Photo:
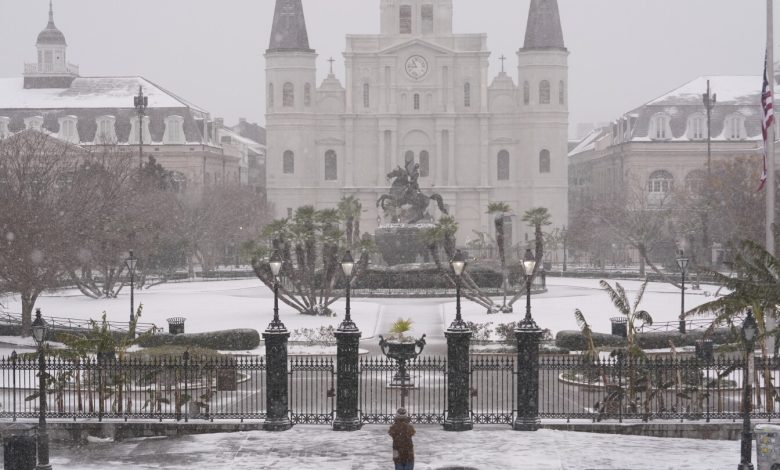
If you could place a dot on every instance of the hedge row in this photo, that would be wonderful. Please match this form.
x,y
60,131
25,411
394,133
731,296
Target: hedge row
x,y
427,276
575,340
226,340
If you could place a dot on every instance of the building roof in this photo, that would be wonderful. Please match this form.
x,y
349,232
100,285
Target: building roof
x,y
544,26
289,29
88,92
51,35
735,95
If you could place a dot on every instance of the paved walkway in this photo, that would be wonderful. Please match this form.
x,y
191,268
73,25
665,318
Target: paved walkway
x,y
319,448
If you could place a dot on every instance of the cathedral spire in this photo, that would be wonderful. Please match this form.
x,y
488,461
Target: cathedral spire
x,y
51,13
544,26
289,29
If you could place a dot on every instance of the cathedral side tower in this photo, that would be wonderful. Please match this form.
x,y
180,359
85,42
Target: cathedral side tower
x,y
290,106
543,97
416,17
52,69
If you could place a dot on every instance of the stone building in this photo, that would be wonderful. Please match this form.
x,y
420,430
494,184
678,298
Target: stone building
x,y
417,91
93,111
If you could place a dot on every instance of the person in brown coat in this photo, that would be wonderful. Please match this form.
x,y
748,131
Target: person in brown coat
x,y
403,448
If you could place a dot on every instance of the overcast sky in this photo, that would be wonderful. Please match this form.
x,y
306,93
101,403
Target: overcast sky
x,y
623,52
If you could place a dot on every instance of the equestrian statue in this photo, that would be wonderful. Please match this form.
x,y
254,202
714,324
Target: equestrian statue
x,y
405,196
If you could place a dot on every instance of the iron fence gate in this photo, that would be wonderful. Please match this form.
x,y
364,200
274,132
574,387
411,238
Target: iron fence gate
x,y
492,388
425,390
312,391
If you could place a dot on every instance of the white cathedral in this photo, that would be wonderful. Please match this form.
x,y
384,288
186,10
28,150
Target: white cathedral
x,y
420,92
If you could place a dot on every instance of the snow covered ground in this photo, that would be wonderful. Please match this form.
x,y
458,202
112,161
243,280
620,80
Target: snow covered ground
x,y
220,305
555,308
319,448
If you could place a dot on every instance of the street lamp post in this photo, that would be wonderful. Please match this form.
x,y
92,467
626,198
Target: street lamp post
x,y
529,263
749,331
39,332
458,337
141,102
130,262
276,372
276,267
347,361
682,263
529,336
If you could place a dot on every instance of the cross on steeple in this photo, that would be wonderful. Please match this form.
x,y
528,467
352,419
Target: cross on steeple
x,y
331,65
502,59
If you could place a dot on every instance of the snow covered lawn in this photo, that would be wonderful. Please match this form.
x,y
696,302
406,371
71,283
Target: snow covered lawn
x,y
319,448
207,306
555,308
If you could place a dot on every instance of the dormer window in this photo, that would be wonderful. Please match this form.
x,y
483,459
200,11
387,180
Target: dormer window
x,y
405,19
660,127
697,127
735,127
34,122
4,132
68,130
133,139
106,132
174,130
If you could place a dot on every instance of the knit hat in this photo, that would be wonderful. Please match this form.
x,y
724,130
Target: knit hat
x,y
401,415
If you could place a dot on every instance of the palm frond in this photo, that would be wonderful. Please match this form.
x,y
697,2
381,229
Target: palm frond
x,y
617,300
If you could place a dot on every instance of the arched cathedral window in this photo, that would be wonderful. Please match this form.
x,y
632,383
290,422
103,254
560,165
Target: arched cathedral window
x,y
288,162
270,95
416,101
288,95
544,161
467,95
562,92
502,166
405,19
425,164
331,166
426,12
307,95
526,93
544,92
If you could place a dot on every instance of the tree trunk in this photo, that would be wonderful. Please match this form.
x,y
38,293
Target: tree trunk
x,y
642,255
28,303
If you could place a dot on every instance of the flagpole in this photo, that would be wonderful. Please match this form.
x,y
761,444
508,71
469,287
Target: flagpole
x,y
770,141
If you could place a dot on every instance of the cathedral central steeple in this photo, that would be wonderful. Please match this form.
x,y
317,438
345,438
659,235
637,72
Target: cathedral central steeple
x,y
289,29
544,26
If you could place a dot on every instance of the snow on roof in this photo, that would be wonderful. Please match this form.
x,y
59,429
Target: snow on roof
x,y
588,143
88,92
731,89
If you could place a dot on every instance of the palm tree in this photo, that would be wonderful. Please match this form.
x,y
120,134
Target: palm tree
x,y
443,235
537,218
349,209
499,210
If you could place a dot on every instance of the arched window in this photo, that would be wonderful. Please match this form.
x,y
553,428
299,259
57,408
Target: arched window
x,y
366,95
661,182
544,161
425,164
562,92
270,95
697,127
307,95
35,122
467,95
288,162
526,93
660,127
502,166
68,130
144,131
416,101
694,182
174,130
405,19
735,127
426,12
288,95
408,158
106,133
544,92
331,166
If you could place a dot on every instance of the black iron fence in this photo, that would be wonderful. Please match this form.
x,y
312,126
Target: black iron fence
x,y
571,387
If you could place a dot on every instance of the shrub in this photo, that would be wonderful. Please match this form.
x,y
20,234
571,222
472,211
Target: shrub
x,y
480,331
323,335
226,340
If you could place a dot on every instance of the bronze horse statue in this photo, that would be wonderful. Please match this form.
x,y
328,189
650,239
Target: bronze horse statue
x,y
405,193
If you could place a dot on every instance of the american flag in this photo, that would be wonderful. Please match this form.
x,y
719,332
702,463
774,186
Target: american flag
x,y
768,107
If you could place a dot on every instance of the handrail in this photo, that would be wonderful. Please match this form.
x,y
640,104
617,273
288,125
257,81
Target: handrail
x,y
76,323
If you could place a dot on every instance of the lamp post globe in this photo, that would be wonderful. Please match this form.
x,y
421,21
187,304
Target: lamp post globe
x,y
348,265
748,333
458,264
39,332
529,264
682,263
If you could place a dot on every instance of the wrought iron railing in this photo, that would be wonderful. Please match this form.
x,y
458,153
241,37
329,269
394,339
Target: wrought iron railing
x,y
62,323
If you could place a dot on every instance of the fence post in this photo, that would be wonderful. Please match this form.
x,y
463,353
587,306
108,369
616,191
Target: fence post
x,y
347,377
14,357
458,416
529,335
276,374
